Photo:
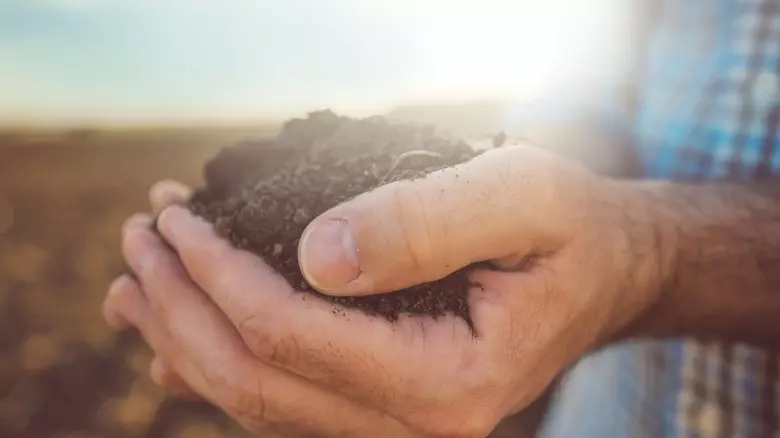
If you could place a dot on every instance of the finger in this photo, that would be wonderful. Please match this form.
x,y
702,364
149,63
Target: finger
x,y
128,302
348,350
111,313
498,205
163,375
178,304
137,220
252,391
168,192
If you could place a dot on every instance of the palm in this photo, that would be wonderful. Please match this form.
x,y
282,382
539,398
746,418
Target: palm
x,y
414,361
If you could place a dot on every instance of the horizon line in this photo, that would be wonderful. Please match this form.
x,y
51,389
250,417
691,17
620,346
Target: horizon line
x,y
138,123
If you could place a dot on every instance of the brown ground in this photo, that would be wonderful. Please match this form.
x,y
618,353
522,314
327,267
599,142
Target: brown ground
x,y
62,200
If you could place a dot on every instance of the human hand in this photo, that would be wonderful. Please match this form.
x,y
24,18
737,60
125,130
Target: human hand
x,y
574,271
218,368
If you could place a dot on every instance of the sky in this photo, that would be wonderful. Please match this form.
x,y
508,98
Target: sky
x,y
152,60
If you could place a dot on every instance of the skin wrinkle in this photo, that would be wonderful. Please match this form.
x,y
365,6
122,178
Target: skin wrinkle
x,y
386,395
287,351
367,363
445,236
400,201
383,407
574,314
336,383
256,339
428,238
247,406
479,298
616,257
605,209
384,235
541,315
473,217
422,331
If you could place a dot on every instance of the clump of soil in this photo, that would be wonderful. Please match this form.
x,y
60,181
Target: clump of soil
x,y
262,194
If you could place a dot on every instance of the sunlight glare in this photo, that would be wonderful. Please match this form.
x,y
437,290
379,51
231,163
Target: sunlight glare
x,y
506,49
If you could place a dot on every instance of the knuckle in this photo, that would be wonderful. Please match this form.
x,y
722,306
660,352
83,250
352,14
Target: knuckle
x,y
256,336
286,351
264,342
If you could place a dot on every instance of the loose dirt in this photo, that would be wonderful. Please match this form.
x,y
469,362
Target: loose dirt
x,y
261,195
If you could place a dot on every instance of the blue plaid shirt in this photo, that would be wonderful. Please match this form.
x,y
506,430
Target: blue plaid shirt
x,y
708,107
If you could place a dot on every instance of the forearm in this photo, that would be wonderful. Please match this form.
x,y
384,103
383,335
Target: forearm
x,y
717,259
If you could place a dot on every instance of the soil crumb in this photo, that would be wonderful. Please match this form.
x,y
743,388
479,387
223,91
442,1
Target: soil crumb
x,y
262,194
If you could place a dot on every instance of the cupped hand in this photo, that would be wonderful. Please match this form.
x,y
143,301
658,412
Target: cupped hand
x,y
573,265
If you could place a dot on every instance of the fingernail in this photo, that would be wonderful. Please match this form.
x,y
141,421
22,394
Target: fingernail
x,y
138,220
328,255
169,214
159,372
165,193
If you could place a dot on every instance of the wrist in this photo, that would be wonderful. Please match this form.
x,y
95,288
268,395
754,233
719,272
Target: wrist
x,y
647,238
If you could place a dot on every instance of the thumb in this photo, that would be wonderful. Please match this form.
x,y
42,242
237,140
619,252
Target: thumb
x,y
496,206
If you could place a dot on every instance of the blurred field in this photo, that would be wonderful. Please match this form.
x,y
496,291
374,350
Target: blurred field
x,y
63,197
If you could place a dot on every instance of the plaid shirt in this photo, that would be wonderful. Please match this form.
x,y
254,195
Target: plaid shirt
x,y
708,108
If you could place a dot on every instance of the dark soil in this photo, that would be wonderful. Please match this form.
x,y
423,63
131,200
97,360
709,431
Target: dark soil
x,y
262,194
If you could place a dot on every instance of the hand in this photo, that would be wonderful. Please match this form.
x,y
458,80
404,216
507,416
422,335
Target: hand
x,y
173,315
574,270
